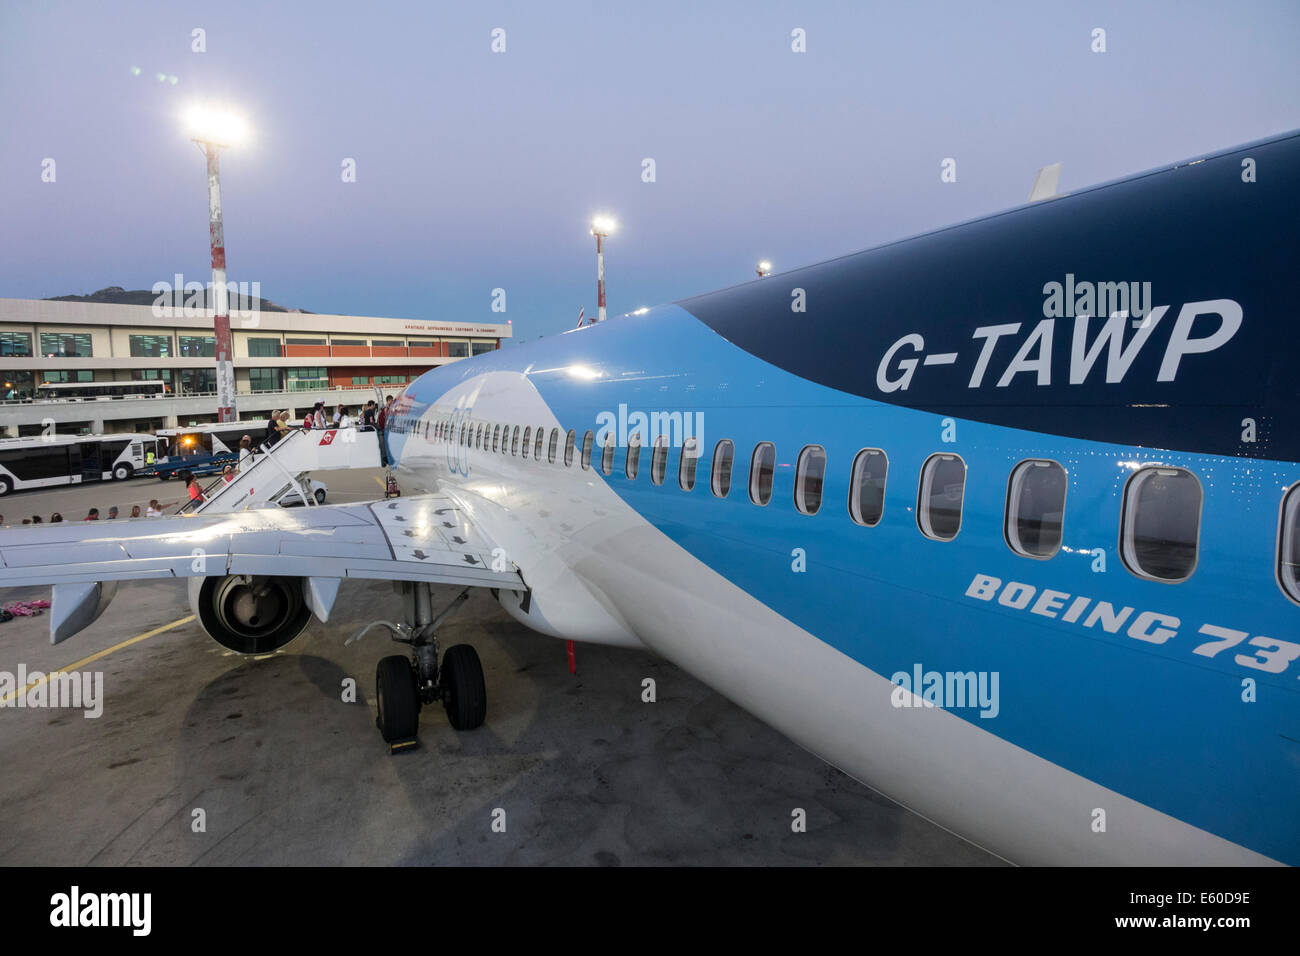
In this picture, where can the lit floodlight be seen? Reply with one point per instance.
(219, 127)
(602, 226)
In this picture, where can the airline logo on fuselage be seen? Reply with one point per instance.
(1194, 332)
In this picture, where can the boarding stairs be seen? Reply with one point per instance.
(273, 472)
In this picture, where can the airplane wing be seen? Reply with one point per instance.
(423, 538)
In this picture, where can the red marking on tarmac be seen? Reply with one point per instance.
(573, 661)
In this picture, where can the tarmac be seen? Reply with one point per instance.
(201, 757)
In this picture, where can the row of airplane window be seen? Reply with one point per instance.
(1159, 523)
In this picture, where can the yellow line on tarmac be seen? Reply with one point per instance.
(94, 657)
(379, 482)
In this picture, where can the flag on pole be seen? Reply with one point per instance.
(580, 311)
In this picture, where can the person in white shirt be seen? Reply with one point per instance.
(245, 450)
(343, 421)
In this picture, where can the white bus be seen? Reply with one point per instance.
(100, 391)
(44, 461)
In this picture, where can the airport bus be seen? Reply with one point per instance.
(45, 461)
(100, 391)
(202, 449)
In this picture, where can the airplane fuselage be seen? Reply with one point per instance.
(1119, 699)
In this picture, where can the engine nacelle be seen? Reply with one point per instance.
(250, 614)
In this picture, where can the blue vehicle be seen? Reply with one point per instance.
(200, 449)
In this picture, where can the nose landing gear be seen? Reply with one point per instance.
(403, 685)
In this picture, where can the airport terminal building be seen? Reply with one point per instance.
(282, 360)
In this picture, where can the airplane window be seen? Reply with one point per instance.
(528, 435)
(607, 454)
(938, 506)
(478, 437)
(867, 490)
(633, 464)
(587, 441)
(537, 447)
(426, 431)
(810, 472)
(761, 467)
(496, 437)
(514, 441)
(687, 463)
(1161, 523)
(568, 447)
(555, 444)
(723, 454)
(659, 460)
(1288, 553)
(1035, 508)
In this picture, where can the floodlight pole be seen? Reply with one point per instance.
(600, 276)
(220, 306)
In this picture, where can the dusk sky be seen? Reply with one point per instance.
(477, 170)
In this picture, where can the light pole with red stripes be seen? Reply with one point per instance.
(213, 131)
(601, 227)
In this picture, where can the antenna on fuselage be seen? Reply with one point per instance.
(1045, 183)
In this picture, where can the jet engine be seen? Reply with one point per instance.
(250, 613)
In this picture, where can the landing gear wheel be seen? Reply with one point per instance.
(464, 694)
(319, 496)
(397, 698)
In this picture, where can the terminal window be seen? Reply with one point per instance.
(16, 344)
(66, 344)
(64, 376)
(198, 346)
(265, 379)
(263, 348)
(458, 349)
(481, 347)
(305, 379)
(150, 346)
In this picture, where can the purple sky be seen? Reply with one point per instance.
(478, 170)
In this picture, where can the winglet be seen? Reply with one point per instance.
(1045, 183)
